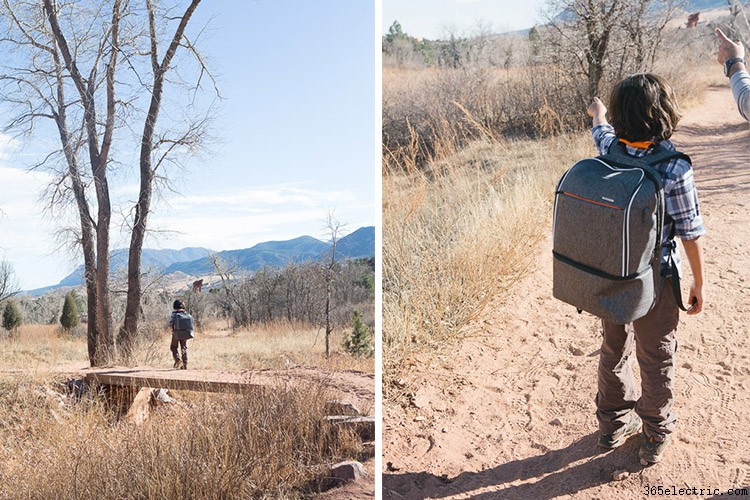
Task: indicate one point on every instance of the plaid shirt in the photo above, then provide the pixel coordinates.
(680, 194)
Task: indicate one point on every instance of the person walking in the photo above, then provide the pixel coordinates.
(181, 323)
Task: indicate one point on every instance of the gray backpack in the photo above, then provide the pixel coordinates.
(607, 231)
(182, 326)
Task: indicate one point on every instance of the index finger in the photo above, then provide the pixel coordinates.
(721, 35)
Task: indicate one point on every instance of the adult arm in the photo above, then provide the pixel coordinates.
(739, 77)
(740, 81)
(694, 252)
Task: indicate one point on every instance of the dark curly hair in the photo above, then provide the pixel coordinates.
(178, 305)
(644, 107)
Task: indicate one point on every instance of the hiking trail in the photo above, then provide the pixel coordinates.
(511, 414)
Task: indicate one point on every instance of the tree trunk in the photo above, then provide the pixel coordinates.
(101, 341)
(129, 330)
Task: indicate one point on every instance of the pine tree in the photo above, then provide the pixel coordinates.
(12, 318)
(69, 316)
(360, 342)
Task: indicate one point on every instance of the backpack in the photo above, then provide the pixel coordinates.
(182, 325)
(607, 231)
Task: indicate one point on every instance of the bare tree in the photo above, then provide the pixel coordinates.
(596, 39)
(77, 65)
(8, 283)
(150, 144)
(333, 230)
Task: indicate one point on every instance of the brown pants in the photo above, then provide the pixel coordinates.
(655, 343)
(183, 348)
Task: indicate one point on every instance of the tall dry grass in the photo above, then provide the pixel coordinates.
(263, 444)
(275, 345)
(257, 445)
(461, 231)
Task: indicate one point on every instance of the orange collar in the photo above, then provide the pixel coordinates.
(639, 144)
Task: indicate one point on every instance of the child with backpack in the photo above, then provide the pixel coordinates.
(644, 113)
(181, 323)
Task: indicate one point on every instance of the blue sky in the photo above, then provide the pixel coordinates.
(296, 131)
(433, 18)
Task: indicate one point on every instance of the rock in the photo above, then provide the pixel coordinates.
(140, 409)
(162, 396)
(364, 427)
(444, 430)
(420, 418)
(420, 400)
(401, 383)
(342, 408)
(344, 472)
(620, 475)
(557, 422)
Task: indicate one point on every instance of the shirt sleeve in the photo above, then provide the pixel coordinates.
(740, 82)
(604, 136)
(681, 200)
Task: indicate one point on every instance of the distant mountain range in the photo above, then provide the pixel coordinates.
(196, 261)
(697, 5)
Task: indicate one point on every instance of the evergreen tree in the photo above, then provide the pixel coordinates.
(360, 342)
(12, 318)
(69, 316)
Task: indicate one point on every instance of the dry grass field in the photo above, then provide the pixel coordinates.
(268, 444)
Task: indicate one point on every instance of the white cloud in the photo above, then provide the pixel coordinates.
(25, 233)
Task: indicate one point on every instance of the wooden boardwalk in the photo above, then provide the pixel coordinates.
(181, 380)
(356, 387)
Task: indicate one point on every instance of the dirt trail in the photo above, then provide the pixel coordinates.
(510, 414)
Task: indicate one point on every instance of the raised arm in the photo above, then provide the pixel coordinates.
(738, 75)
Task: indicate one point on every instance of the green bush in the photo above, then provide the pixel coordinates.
(359, 344)
(12, 318)
(69, 316)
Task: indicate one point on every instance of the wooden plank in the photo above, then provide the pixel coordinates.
(182, 382)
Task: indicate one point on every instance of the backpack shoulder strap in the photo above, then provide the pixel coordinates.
(661, 154)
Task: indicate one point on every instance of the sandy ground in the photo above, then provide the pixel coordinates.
(509, 413)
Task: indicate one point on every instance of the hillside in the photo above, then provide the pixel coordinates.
(196, 261)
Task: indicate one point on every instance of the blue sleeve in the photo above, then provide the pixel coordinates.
(604, 136)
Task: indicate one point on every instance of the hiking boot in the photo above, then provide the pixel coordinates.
(652, 451)
(612, 441)
(177, 363)
(184, 366)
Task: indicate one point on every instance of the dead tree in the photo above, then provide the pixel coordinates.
(86, 79)
(333, 230)
(603, 39)
(155, 150)
(8, 284)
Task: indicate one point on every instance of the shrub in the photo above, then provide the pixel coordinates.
(12, 318)
(359, 344)
(69, 316)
